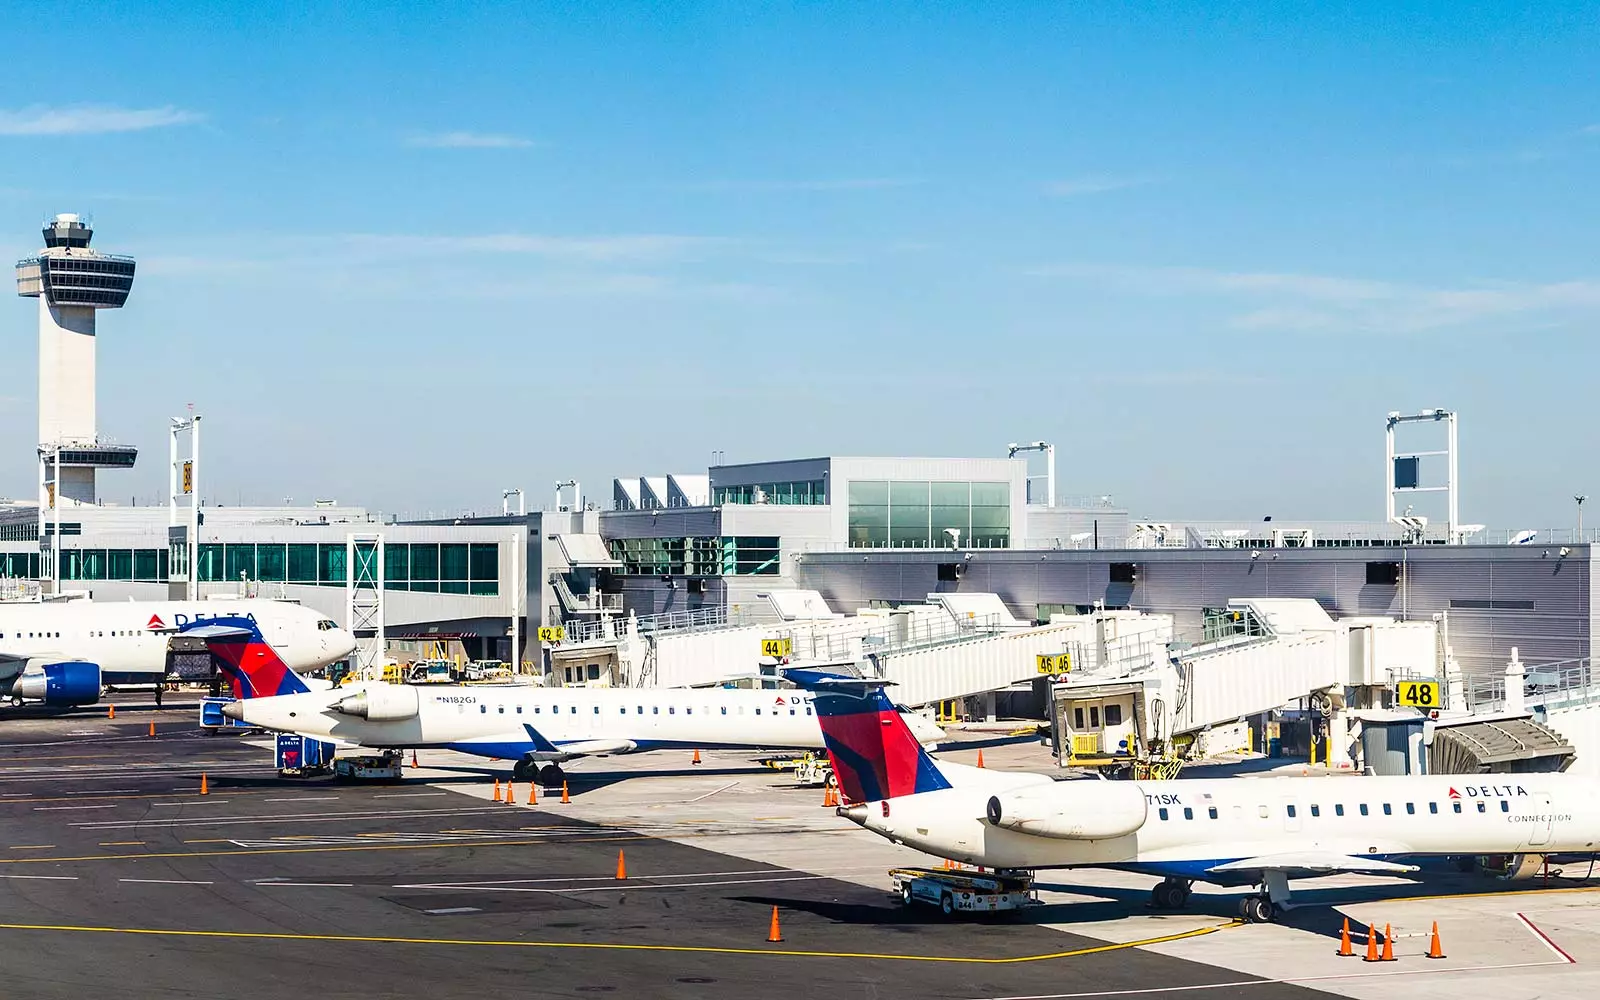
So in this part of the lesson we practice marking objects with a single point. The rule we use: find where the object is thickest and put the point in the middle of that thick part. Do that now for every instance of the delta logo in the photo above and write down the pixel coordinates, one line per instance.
(1454, 794)
(155, 622)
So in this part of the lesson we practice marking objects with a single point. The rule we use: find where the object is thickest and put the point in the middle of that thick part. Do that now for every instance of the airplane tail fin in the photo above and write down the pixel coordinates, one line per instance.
(874, 753)
(252, 667)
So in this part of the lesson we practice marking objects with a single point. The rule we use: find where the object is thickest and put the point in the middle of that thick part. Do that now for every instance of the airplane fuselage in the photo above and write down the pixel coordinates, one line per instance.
(1188, 826)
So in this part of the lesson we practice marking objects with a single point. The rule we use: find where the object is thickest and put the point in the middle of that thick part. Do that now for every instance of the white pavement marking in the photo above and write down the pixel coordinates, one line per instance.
(601, 878)
(291, 818)
(185, 802)
(311, 885)
(315, 798)
(714, 791)
(50, 878)
(624, 885)
(104, 791)
(164, 881)
(43, 809)
(410, 795)
(453, 909)
(1545, 940)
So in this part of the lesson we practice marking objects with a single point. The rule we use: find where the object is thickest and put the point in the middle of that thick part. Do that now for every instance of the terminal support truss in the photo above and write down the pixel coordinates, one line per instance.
(183, 508)
(364, 572)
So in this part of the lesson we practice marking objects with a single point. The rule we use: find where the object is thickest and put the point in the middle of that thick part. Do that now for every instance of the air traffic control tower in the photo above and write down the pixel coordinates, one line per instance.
(71, 282)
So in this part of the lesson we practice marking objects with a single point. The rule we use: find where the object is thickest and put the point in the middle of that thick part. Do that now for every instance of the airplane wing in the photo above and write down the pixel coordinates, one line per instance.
(1309, 864)
(217, 632)
(543, 749)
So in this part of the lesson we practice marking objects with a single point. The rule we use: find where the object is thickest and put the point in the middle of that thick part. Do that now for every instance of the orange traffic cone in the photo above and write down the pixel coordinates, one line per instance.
(622, 866)
(1388, 944)
(497, 789)
(564, 796)
(774, 934)
(696, 757)
(152, 729)
(111, 711)
(1345, 950)
(511, 794)
(1435, 950)
(980, 758)
(533, 794)
(1372, 944)
(414, 758)
(203, 790)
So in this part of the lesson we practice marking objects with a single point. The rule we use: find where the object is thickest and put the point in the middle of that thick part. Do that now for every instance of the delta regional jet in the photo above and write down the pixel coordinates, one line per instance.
(66, 653)
(1234, 831)
(537, 727)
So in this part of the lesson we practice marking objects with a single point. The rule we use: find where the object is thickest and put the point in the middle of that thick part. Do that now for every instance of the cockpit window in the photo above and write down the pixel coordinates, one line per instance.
(326, 625)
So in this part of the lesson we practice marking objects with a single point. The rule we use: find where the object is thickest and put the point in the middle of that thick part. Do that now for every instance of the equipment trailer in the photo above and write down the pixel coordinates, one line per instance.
(962, 890)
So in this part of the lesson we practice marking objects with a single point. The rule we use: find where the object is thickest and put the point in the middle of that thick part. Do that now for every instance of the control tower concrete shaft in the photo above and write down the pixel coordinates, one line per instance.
(71, 283)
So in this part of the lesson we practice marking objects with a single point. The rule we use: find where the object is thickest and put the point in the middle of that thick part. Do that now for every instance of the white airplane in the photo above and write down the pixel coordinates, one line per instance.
(533, 726)
(66, 653)
(1232, 831)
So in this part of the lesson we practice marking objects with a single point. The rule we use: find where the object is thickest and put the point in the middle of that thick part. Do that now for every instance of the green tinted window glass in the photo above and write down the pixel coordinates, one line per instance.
(908, 515)
(396, 566)
(331, 564)
(146, 564)
(271, 563)
(119, 564)
(991, 494)
(241, 561)
(163, 557)
(424, 562)
(453, 563)
(485, 588)
(486, 562)
(208, 564)
(868, 491)
(302, 564)
(452, 586)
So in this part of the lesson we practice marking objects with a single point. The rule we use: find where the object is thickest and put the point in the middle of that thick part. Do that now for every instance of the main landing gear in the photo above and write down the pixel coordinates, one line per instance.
(1272, 901)
(1170, 894)
(549, 775)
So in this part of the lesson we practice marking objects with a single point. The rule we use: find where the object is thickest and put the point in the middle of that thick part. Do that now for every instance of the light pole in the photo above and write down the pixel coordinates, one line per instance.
(1580, 497)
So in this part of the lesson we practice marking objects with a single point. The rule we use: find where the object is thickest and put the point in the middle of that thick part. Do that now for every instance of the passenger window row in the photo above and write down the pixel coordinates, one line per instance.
(1292, 811)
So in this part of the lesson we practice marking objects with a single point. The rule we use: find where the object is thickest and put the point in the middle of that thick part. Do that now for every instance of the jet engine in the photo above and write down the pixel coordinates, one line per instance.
(1071, 810)
(381, 703)
(71, 683)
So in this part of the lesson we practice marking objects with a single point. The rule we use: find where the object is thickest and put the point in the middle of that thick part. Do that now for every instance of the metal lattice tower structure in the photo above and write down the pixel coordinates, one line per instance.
(364, 571)
(72, 283)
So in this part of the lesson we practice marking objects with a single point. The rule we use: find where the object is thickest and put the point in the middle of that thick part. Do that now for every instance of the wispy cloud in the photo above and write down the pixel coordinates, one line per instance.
(1590, 129)
(1310, 302)
(1073, 187)
(636, 246)
(467, 140)
(90, 120)
(816, 184)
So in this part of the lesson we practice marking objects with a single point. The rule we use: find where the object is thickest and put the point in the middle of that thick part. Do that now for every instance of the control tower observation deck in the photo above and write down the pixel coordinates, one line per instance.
(71, 283)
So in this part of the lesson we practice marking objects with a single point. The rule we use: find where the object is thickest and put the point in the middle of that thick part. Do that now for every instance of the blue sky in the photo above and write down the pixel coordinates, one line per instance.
(409, 258)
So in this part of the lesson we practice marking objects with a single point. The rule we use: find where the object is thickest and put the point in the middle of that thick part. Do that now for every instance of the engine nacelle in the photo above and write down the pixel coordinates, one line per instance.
(72, 683)
(1071, 810)
(381, 703)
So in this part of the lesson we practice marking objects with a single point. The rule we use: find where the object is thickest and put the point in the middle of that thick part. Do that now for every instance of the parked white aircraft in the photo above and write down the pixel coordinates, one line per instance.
(65, 653)
(1233, 831)
(531, 725)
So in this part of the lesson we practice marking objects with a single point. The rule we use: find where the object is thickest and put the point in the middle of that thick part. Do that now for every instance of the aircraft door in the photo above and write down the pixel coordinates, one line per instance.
(277, 632)
(1539, 821)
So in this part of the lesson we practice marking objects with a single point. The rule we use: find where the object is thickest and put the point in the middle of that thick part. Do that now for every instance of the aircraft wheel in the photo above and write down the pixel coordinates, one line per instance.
(1161, 896)
(947, 904)
(551, 776)
(1178, 896)
(524, 770)
(905, 893)
(16, 701)
(1256, 909)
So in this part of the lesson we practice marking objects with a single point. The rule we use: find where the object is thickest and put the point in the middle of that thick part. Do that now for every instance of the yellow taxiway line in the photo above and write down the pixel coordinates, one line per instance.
(620, 946)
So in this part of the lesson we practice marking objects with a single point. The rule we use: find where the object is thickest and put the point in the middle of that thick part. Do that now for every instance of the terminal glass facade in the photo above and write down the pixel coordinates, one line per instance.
(132, 565)
(433, 568)
(919, 515)
(806, 492)
(19, 565)
(744, 555)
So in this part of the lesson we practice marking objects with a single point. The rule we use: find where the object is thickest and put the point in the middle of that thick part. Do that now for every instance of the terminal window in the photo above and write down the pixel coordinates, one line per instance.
(919, 514)
(426, 567)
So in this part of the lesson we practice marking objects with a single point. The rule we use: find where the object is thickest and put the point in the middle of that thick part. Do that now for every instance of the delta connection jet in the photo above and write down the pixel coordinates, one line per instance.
(539, 728)
(1232, 832)
(66, 653)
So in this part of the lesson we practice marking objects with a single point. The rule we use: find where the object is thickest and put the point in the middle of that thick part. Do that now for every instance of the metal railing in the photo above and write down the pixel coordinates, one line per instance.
(925, 631)
(1558, 684)
(616, 626)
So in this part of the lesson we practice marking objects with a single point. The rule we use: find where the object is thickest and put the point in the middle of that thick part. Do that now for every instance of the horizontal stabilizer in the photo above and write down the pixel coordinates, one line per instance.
(1312, 862)
(822, 680)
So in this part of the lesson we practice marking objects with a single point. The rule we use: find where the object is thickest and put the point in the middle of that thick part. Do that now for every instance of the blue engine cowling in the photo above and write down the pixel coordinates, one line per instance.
(71, 683)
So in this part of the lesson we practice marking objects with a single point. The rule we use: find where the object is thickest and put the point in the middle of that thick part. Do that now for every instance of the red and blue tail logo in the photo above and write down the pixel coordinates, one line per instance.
(253, 668)
(874, 754)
